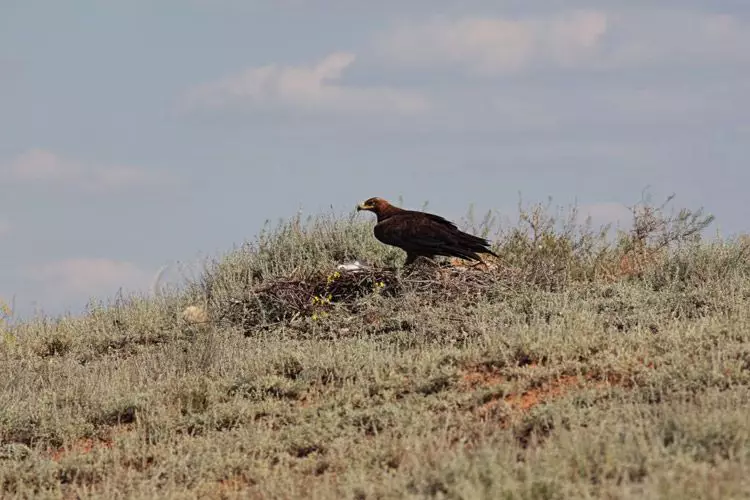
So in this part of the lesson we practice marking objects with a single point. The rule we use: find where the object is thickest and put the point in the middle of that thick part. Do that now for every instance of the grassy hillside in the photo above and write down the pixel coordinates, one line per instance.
(572, 367)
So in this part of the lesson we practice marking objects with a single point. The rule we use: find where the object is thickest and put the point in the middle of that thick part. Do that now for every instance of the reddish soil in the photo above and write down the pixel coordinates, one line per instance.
(536, 396)
(527, 400)
(79, 447)
(481, 378)
(87, 445)
(549, 390)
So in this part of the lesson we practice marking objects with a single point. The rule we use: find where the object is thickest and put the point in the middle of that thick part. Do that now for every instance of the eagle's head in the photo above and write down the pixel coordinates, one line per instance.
(375, 205)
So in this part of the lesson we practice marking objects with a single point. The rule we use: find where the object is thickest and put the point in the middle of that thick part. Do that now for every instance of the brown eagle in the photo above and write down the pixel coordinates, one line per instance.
(421, 234)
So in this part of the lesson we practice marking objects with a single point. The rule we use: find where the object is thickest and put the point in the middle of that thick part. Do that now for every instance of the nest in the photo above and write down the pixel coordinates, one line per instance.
(284, 300)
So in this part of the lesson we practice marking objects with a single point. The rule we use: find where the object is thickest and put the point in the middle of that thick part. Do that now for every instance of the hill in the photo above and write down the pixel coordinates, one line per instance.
(573, 366)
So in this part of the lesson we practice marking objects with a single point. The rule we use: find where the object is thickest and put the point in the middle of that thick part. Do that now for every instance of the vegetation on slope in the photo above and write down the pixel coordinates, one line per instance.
(572, 366)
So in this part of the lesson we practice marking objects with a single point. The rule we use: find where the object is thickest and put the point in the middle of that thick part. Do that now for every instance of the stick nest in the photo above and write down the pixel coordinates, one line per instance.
(286, 299)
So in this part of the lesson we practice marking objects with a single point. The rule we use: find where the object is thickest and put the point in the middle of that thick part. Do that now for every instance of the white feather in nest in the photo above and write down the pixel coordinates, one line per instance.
(352, 267)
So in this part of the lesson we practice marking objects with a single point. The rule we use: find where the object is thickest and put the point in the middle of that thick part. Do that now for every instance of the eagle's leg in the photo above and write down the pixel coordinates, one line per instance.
(480, 262)
(413, 258)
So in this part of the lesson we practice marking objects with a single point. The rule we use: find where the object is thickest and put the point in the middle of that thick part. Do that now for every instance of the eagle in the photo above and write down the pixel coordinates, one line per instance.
(421, 234)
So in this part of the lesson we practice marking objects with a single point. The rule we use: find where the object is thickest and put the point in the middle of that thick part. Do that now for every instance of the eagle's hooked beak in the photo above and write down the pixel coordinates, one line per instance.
(364, 206)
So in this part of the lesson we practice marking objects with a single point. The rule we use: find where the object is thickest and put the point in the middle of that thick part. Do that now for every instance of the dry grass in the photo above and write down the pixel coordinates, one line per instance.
(571, 367)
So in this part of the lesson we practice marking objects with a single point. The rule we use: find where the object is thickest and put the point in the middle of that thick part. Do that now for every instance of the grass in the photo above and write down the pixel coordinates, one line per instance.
(575, 366)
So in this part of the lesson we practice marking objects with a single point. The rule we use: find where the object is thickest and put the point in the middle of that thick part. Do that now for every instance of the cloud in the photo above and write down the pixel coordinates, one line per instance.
(314, 88)
(40, 166)
(594, 39)
(89, 277)
(495, 45)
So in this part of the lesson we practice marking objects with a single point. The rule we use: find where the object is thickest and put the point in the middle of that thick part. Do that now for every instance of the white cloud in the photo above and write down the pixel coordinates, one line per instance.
(495, 45)
(314, 88)
(89, 277)
(581, 38)
(40, 166)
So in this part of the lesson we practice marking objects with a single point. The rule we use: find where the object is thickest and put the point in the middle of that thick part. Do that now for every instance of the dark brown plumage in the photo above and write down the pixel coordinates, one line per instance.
(421, 234)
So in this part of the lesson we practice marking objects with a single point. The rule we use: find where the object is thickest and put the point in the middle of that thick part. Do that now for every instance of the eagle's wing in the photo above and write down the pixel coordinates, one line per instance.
(418, 232)
(439, 220)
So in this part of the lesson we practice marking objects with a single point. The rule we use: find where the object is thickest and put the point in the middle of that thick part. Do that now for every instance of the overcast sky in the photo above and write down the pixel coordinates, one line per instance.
(135, 133)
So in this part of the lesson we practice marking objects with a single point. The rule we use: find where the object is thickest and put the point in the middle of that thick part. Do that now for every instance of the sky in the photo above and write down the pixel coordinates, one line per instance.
(137, 134)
